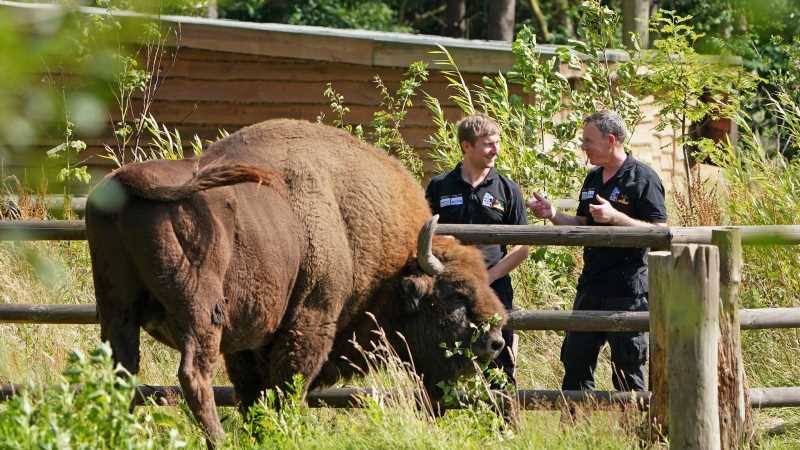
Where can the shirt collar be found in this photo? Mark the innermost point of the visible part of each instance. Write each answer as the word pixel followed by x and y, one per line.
pixel 490 177
pixel 626 166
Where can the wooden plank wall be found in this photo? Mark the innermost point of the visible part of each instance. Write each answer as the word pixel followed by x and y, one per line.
pixel 208 90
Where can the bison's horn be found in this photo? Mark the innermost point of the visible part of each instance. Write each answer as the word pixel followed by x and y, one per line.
pixel 429 263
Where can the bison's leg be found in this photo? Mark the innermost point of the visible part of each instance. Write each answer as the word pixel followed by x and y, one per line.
pixel 121 329
pixel 118 292
pixel 180 255
pixel 302 348
pixel 118 311
pixel 198 358
pixel 247 380
pixel 199 329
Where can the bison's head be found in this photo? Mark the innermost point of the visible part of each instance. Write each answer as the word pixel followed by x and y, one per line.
pixel 447 300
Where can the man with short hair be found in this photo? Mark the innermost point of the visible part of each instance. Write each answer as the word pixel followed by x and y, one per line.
pixel 474 193
pixel 619 191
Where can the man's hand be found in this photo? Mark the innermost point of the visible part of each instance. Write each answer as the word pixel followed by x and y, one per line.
pixel 540 207
pixel 603 211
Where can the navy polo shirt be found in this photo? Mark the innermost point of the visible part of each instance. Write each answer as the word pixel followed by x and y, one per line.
pixel 495 201
pixel 636 190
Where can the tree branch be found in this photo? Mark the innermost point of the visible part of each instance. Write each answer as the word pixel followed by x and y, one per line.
pixel 544 32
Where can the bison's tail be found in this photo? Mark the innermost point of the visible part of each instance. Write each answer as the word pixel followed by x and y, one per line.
pixel 207 178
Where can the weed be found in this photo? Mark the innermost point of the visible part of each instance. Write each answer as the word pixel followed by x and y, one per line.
pixel 89 408
pixel 384 128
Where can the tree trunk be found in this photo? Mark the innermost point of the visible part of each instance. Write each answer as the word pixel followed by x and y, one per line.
pixel 501 20
pixel 456 15
pixel 636 20
pixel 564 23
pixel 212 12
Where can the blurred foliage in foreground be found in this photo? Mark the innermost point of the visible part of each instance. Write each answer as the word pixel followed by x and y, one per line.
pixel 68 75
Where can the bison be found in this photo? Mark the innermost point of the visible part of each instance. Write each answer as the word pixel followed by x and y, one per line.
pixel 270 250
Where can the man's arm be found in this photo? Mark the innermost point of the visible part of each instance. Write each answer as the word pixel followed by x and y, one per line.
pixel 513 258
pixel 563 219
pixel 604 212
pixel 517 254
pixel 543 209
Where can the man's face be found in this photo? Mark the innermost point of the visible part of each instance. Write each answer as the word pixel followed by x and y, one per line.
pixel 599 148
pixel 483 153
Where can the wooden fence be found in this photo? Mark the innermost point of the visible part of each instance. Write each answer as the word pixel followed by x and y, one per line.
pixel 660 237
pixel 704 403
pixel 520 320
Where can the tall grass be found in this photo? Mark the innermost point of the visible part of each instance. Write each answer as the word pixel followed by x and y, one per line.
pixel 761 187
pixel 402 419
pixel 56 273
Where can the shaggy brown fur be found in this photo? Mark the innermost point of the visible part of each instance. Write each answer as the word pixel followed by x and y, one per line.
pixel 269 250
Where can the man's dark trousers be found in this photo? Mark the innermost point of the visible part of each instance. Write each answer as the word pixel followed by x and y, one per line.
pixel 628 349
pixel 506 360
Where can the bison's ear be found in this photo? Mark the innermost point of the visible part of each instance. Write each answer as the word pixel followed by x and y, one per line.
pixel 415 288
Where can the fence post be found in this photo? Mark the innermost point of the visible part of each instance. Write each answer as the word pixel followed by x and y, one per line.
pixel 735 415
pixel 658 281
pixel 687 281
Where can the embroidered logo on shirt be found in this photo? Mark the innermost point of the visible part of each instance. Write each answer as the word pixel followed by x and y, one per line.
pixel 450 200
pixel 498 205
pixel 587 195
pixel 618 197
pixel 487 200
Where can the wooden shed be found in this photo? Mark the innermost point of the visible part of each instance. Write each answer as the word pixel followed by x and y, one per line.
pixel 230 74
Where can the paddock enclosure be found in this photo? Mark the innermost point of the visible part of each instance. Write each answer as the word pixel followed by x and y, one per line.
pixel 698 395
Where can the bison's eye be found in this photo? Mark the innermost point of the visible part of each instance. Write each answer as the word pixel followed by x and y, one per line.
pixel 459 315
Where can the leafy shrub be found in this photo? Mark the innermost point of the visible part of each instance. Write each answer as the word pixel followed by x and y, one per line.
pixel 760 188
pixel 90 408
pixel 384 128
pixel 393 109
pixel 524 156
pixel 538 133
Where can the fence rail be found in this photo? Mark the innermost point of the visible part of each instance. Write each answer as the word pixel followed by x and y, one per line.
pixel 42 230
pixel 48 314
pixel 750 319
pixel 528 398
pixel 77 203
pixel 655 237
